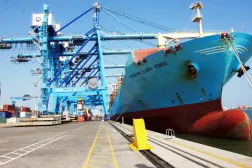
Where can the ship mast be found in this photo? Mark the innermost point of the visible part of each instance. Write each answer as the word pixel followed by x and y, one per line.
pixel 165 39
pixel 197 18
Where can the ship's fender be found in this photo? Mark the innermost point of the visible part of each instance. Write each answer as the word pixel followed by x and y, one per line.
pixel 233 124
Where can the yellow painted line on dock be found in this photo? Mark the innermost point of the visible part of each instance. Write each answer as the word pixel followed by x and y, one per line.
pixel 112 150
pixel 212 155
pixel 91 149
pixel 92 155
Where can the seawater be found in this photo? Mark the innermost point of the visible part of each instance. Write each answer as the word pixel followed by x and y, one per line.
pixel 237 146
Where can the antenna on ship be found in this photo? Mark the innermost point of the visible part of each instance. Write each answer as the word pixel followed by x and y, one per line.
pixel 197 18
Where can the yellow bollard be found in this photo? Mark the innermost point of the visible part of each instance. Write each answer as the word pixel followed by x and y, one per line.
pixel 140 136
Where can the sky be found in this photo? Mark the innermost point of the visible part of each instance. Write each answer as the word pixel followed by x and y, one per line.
pixel 16 16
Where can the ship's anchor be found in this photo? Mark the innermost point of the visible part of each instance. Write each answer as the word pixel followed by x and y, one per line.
pixel 193 69
pixel 241 72
pixel 243 68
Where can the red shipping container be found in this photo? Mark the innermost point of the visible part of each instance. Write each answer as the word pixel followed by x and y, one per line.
pixel 22 109
pixel 80 119
pixel 25 109
pixel 8 107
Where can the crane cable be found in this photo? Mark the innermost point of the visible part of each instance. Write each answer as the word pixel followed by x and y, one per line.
pixel 121 21
pixel 145 42
pixel 243 69
pixel 189 21
pixel 136 19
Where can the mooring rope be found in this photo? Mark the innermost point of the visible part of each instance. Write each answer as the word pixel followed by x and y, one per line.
pixel 243 69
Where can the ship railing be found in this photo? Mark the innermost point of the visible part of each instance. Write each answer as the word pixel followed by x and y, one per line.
pixel 170 133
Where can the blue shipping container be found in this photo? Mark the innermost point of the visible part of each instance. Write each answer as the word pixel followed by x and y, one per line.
pixel 5 114
pixel 17 113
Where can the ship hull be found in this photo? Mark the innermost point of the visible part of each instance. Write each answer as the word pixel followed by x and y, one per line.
pixel 158 87
pixel 194 119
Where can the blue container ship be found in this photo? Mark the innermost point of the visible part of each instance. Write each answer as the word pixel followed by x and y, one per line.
pixel 180 87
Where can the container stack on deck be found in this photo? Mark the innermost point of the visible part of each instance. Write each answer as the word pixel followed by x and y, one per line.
pixel 115 91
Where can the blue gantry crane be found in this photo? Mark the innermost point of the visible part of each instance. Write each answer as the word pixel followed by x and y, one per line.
pixel 22 98
pixel 69 67
pixel 62 68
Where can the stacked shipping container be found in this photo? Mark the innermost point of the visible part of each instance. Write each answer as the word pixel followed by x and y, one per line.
pixel 8 108
pixel 25 112
pixel 22 112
